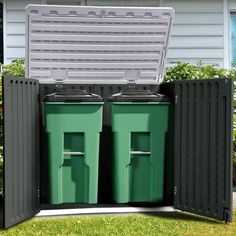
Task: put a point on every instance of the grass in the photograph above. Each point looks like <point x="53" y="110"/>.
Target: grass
<point x="173" y="223"/>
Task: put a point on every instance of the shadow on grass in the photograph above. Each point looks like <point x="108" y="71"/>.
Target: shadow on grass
<point x="183" y="217"/>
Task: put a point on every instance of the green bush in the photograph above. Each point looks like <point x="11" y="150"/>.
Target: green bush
<point x="185" y="71"/>
<point x="15" y="68"/>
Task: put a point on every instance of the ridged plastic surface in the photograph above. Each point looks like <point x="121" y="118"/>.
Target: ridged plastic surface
<point x="81" y="44"/>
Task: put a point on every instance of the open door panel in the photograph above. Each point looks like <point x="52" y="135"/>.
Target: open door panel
<point x="203" y="147"/>
<point x="21" y="149"/>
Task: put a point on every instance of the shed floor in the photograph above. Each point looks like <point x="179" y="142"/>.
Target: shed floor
<point x="104" y="210"/>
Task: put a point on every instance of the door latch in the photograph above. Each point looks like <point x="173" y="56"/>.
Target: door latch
<point x="176" y="99"/>
<point x="38" y="193"/>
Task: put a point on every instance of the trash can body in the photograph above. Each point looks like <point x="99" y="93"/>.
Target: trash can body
<point x="73" y="131"/>
<point x="139" y="149"/>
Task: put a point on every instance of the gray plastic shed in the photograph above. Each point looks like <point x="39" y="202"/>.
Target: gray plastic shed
<point x="104" y="50"/>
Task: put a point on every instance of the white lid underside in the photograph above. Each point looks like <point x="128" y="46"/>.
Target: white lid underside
<point x="81" y="44"/>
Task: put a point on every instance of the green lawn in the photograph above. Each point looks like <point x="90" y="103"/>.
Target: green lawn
<point x="139" y="224"/>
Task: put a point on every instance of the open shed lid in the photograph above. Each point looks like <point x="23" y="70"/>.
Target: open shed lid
<point x="83" y="44"/>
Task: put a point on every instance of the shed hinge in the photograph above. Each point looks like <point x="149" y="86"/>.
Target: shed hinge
<point x="59" y="84"/>
<point x="38" y="193"/>
<point x="59" y="81"/>
<point x="131" y="84"/>
<point x="175" y="190"/>
<point x="131" y="77"/>
<point x="176" y="99"/>
<point x="42" y="110"/>
<point x="59" y="76"/>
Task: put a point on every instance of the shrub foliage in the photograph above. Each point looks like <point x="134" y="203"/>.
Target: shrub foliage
<point x="185" y="71"/>
<point x="15" y="68"/>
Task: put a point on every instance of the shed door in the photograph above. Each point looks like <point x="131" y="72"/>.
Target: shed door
<point x="203" y="147"/>
<point x="1" y="32"/>
<point x="21" y="149"/>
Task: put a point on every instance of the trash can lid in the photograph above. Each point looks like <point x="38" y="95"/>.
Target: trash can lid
<point x="73" y="96"/>
<point x="139" y="96"/>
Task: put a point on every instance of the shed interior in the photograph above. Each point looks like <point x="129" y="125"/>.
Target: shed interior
<point x="105" y="197"/>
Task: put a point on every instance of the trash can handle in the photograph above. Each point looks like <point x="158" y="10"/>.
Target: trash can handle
<point x="140" y="153"/>
<point x="74" y="153"/>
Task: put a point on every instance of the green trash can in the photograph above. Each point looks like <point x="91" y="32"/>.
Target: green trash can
<point x="73" y="122"/>
<point x="139" y="125"/>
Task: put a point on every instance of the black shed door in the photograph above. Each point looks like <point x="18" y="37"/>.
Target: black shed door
<point x="21" y="149"/>
<point x="203" y="147"/>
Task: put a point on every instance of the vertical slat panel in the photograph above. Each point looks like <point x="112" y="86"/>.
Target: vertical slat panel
<point x="178" y="129"/>
<point x="190" y="145"/>
<point x="207" y="166"/>
<point x="15" y="148"/>
<point x="35" y="111"/>
<point x="197" y="151"/>
<point x="206" y="145"/>
<point x="21" y="146"/>
<point x="216" y="173"/>
<point x="186" y="143"/>
<point x="37" y="122"/>
<point x="203" y="166"/>
<point x="24" y="147"/>
<point x="212" y="148"/>
<point x="27" y="146"/>
<point x="217" y="169"/>
<point x="221" y="149"/>
<point x="20" y="149"/>
<point x="228" y="100"/>
<point x="183" y="149"/>
<point x="31" y="128"/>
